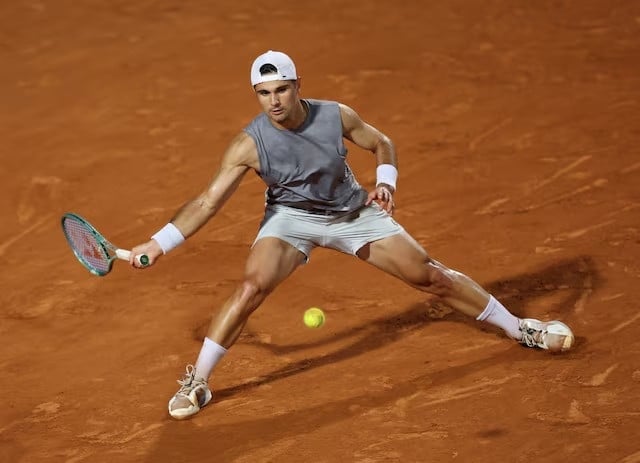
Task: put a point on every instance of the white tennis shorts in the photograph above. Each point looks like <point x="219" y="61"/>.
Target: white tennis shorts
<point x="343" y="232"/>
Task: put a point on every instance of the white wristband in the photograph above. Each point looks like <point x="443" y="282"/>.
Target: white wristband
<point x="168" y="237"/>
<point x="387" y="173"/>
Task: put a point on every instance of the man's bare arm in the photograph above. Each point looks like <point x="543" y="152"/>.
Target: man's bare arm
<point x="241" y="156"/>
<point x="367" y="137"/>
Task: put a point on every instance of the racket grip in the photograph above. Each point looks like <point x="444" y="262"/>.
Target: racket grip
<point x="123" y="254"/>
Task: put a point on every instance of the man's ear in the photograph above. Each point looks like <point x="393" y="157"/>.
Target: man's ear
<point x="298" y="83"/>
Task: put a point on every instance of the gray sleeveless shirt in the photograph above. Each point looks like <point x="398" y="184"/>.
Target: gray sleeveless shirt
<point x="306" y="168"/>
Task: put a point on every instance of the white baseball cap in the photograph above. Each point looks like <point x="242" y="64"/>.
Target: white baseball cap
<point x="285" y="68"/>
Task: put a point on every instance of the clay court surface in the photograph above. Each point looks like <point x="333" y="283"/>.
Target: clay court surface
<point x="517" y="126"/>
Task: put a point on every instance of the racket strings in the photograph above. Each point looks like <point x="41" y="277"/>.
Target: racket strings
<point x="86" y="246"/>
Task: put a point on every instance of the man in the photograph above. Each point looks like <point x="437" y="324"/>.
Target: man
<point x="297" y="147"/>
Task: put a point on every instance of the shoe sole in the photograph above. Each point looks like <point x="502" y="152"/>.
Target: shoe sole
<point x="556" y="328"/>
<point x="183" y="413"/>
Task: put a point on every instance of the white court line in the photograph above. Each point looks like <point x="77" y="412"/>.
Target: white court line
<point x="561" y="172"/>
<point x="625" y="324"/>
<point x="631" y="168"/>
<point x="476" y="141"/>
<point x="578" y="233"/>
<point x="598" y="183"/>
<point x="11" y="241"/>
<point x="633" y="458"/>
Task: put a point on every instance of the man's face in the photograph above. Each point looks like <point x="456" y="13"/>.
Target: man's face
<point x="278" y="99"/>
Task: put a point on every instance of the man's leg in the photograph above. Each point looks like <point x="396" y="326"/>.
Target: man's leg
<point x="270" y="261"/>
<point x="401" y="256"/>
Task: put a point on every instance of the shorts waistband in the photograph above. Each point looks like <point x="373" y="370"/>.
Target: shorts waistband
<point x="315" y="210"/>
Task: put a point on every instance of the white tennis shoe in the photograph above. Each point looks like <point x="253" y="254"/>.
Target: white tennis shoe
<point x="193" y="394"/>
<point x="554" y="335"/>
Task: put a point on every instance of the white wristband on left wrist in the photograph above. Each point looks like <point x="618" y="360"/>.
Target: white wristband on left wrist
<point x="387" y="173"/>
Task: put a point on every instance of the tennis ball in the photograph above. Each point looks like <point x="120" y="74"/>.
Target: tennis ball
<point x="313" y="317"/>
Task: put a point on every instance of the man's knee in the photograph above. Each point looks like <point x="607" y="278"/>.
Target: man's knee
<point x="249" y="295"/>
<point x="437" y="279"/>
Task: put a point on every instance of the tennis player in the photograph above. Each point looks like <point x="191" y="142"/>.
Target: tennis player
<point x="313" y="200"/>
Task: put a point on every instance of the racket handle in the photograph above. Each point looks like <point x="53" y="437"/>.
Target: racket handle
<point x="123" y="254"/>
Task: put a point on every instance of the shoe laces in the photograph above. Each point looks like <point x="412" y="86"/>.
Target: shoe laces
<point x="188" y="381"/>
<point x="528" y="339"/>
<point x="532" y="337"/>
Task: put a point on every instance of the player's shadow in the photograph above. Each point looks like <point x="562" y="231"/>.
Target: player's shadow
<point x="188" y="441"/>
<point x="232" y="440"/>
<point x="571" y="277"/>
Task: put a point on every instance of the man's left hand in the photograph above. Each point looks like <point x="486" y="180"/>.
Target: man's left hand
<point x="383" y="195"/>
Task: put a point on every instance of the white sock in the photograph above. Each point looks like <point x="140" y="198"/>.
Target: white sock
<point x="497" y="314"/>
<point x="210" y="354"/>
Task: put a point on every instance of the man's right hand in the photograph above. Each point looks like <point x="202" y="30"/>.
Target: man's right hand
<point x="151" y="248"/>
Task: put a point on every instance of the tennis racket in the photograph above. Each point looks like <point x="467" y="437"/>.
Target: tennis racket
<point x="92" y="249"/>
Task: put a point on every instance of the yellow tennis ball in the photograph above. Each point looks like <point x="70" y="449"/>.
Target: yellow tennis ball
<point x="313" y="317"/>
